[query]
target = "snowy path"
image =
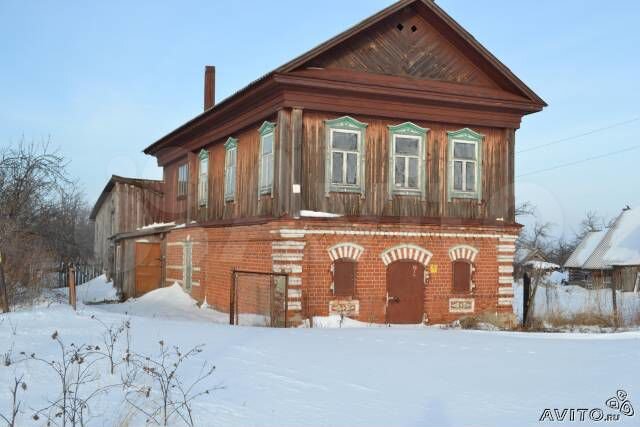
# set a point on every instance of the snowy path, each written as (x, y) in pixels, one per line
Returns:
(360, 377)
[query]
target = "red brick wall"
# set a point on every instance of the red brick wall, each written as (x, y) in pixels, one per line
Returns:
(371, 282)
(216, 251)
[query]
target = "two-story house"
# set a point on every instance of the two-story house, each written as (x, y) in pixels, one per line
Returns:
(377, 169)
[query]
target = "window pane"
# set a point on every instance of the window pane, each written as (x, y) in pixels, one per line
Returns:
(457, 176)
(264, 171)
(267, 144)
(352, 168)
(413, 173)
(400, 172)
(270, 170)
(407, 146)
(336, 168)
(346, 141)
(464, 151)
(471, 176)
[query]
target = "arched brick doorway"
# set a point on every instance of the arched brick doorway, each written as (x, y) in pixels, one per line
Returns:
(405, 283)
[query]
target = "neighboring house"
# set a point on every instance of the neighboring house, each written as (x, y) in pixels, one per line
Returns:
(124, 206)
(612, 257)
(575, 263)
(377, 170)
(527, 259)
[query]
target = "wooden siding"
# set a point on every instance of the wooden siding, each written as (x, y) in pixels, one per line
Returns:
(175, 207)
(497, 175)
(247, 203)
(386, 49)
(301, 135)
(127, 207)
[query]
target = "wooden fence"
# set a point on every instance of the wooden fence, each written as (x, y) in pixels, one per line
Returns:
(84, 273)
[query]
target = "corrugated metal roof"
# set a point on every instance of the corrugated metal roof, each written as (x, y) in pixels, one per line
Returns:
(585, 249)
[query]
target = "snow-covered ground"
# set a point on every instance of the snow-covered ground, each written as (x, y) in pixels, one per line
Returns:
(555, 299)
(337, 377)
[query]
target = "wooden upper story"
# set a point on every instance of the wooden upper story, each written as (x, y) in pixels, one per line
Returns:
(404, 115)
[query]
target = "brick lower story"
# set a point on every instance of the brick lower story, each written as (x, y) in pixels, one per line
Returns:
(305, 249)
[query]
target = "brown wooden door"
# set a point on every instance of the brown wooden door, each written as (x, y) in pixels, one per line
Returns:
(148, 267)
(405, 288)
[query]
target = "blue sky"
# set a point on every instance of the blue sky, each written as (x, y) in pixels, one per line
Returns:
(105, 79)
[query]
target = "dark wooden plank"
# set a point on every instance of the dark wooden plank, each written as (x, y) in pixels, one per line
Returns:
(296, 161)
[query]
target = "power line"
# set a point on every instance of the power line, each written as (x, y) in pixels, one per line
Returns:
(577, 162)
(571, 138)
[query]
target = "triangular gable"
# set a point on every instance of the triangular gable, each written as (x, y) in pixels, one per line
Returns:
(413, 38)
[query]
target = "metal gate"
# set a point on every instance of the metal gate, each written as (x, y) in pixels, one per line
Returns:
(258, 299)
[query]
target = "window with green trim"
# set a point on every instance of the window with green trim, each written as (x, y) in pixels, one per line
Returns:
(203, 179)
(231, 158)
(345, 155)
(407, 162)
(183, 180)
(465, 164)
(266, 158)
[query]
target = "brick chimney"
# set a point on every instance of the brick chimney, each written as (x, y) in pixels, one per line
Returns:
(209, 86)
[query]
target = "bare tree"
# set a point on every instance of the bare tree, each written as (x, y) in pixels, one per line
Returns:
(43, 217)
(525, 209)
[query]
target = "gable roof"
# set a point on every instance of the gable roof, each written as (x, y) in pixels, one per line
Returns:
(149, 184)
(625, 240)
(617, 246)
(585, 249)
(439, 13)
(464, 38)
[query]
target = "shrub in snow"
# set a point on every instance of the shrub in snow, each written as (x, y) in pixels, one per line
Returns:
(164, 395)
(110, 338)
(76, 372)
(17, 386)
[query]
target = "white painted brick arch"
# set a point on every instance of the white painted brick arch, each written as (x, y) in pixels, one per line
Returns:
(406, 252)
(464, 252)
(345, 250)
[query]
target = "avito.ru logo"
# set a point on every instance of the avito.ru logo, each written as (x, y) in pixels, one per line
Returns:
(619, 403)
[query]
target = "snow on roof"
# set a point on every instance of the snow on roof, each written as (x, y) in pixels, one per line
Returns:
(621, 244)
(542, 265)
(625, 240)
(584, 250)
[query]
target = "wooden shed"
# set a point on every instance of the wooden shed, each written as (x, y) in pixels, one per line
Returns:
(125, 205)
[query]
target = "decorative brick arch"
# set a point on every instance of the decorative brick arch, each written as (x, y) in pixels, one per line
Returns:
(345, 250)
(463, 252)
(406, 252)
